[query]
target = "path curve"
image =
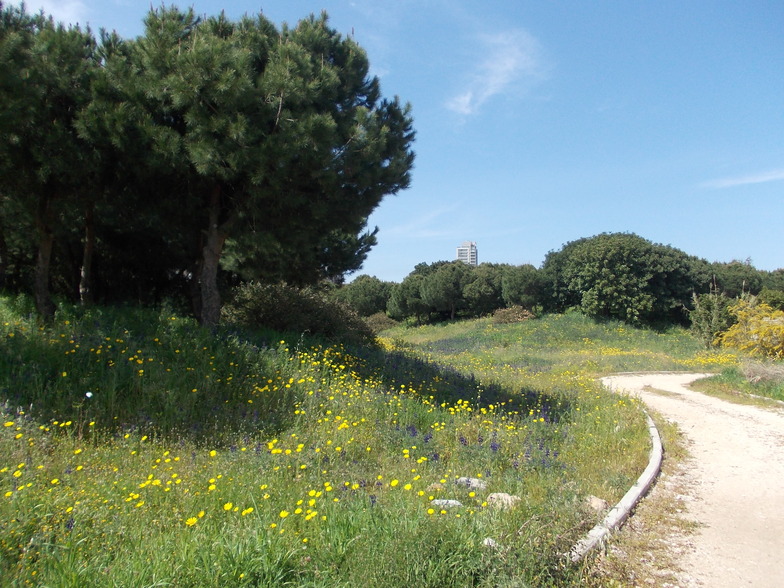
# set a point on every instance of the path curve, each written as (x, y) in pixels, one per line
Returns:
(736, 476)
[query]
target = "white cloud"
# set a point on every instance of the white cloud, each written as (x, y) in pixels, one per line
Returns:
(759, 178)
(65, 11)
(426, 225)
(511, 56)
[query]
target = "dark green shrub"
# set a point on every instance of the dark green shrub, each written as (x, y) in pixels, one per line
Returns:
(737, 278)
(284, 308)
(380, 322)
(513, 314)
(367, 295)
(773, 298)
(625, 277)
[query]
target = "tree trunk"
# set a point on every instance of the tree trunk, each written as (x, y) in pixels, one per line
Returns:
(3, 257)
(211, 254)
(194, 287)
(86, 272)
(43, 301)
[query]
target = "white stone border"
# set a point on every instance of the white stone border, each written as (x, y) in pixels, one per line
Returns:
(620, 512)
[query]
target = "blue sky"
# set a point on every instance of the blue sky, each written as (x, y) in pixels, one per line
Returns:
(539, 123)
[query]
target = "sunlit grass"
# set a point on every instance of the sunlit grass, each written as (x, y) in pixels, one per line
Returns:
(753, 382)
(134, 446)
(571, 340)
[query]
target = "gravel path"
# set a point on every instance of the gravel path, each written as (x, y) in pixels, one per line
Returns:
(736, 481)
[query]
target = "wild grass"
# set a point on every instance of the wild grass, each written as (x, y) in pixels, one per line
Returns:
(138, 449)
(559, 358)
(640, 555)
(751, 381)
(570, 340)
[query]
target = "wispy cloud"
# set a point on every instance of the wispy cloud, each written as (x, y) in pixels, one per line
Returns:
(425, 226)
(759, 178)
(65, 11)
(511, 56)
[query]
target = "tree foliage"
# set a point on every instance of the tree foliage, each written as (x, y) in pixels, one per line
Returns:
(612, 275)
(443, 290)
(45, 84)
(281, 137)
(367, 295)
(623, 276)
(482, 290)
(522, 286)
(406, 299)
(773, 280)
(446, 290)
(209, 145)
(737, 278)
(773, 298)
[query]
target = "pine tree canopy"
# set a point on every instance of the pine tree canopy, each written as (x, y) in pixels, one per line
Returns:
(216, 148)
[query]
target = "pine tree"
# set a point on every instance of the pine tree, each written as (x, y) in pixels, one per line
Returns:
(49, 78)
(280, 137)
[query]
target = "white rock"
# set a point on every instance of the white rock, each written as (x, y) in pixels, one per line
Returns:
(502, 500)
(597, 503)
(443, 502)
(473, 483)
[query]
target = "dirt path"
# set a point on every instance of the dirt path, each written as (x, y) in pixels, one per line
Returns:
(735, 478)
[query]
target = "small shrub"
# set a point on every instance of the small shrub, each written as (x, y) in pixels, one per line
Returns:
(513, 314)
(763, 371)
(284, 308)
(710, 316)
(379, 322)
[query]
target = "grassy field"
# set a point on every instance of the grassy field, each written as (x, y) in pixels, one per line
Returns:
(137, 449)
(566, 342)
(751, 381)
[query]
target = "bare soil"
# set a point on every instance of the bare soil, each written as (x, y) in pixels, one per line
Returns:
(730, 491)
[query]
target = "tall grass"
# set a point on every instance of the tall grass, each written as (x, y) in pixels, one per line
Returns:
(137, 449)
(753, 376)
(143, 369)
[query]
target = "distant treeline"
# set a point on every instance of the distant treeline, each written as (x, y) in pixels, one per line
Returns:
(612, 275)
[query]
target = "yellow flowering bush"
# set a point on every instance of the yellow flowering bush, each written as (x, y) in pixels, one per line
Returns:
(759, 329)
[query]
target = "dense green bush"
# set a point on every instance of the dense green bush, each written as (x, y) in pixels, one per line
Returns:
(514, 314)
(623, 276)
(380, 322)
(737, 278)
(773, 298)
(284, 308)
(367, 295)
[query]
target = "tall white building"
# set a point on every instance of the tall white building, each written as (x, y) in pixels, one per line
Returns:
(467, 253)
